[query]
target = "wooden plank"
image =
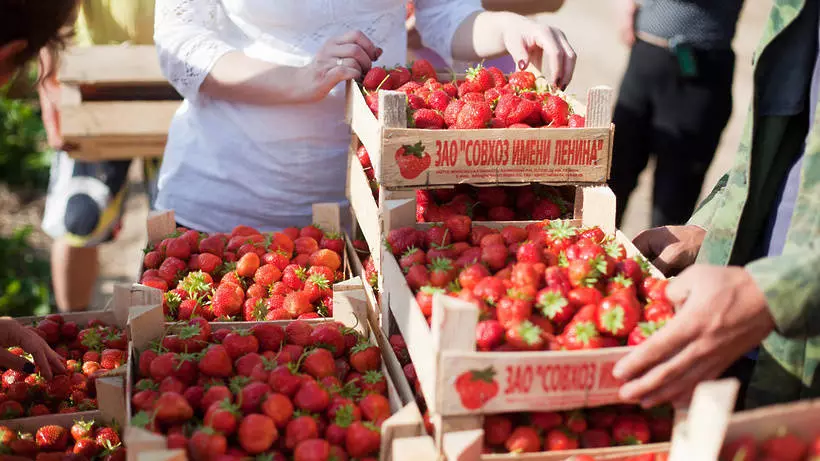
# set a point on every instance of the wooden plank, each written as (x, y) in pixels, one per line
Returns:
(701, 437)
(599, 107)
(597, 207)
(112, 65)
(328, 216)
(405, 423)
(117, 130)
(419, 448)
(364, 124)
(800, 418)
(611, 453)
(363, 205)
(453, 330)
(463, 445)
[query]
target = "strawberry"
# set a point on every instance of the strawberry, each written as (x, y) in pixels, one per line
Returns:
(554, 306)
(325, 257)
(330, 338)
(630, 429)
(375, 408)
(294, 276)
(298, 333)
(497, 429)
(452, 111)
(374, 382)
(172, 407)
(87, 448)
(494, 256)
(525, 336)
(299, 429)
(81, 429)
(376, 78)
(51, 438)
(250, 395)
(152, 260)
(514, 308)
(469, 87)
(363, 439)
(107, 437)
(743, 448)
(215, 394)
(412, 160)
(227, 300)
(523, 439)
(459, 228)
(658, 311)
(481, 76)
(576, 121)
(279, 408)
(216, 362)
(617, 317)
(178, 248)
(312, 450)
(298, 303)
(522, 80)
(555, 111)
(424, 298)
(319, 363)
(473, 116)
(785, 447)
(284, 379)
(205, 444)
(365, 357)
(239, 343)
(641, 332)
(489, 335)
(560, 439)
(311, 397)
(317, 286)
(112, 358)
(595, 438)
(582, 335)
(499, 79)
(422, 70)
(413, 256)
(427, 119)
(442, 272)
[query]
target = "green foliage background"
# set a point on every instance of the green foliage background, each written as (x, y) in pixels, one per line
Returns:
(25, 279)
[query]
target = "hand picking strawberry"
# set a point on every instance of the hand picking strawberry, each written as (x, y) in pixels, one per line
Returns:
(14, 334)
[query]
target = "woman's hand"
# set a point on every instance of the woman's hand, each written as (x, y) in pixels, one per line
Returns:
(543, 46)
(13, 333)
(341, 58)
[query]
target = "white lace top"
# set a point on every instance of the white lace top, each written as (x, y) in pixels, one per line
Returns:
(228, 163)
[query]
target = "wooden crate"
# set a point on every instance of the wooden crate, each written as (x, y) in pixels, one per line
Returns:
(162, 223)
(147, 325)
(489, 156)
(533, 381)
(115, 103)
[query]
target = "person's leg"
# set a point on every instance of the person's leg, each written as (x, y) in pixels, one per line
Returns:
(688, 134)
(632, 118)
(83, 209)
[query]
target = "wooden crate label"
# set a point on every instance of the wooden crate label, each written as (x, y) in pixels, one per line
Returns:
(533, 381)
(412, 158)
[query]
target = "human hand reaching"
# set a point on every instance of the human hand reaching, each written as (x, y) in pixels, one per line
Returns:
(342, 58)
(12, 333)
(543, 46)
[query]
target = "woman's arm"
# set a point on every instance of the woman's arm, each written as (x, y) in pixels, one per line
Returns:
(195, 59)
(523, 7)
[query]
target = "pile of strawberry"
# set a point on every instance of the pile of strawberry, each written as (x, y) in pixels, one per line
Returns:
(643, 457)
(782, 446)
(485, 98)
(570, 430)
(84, 441)
(302, 392)
(546, 286)
(89, 353)
(246, 275)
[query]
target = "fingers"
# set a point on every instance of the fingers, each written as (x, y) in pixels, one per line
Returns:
(568, 67)
(677, 333)
(680, 287)
(644, 241)
(353, 56)
(337, 75)
(518, 50)
(11, 361)
(553, 55)
(49, 361)
(358, 38)
(664, 379)
(680, 391)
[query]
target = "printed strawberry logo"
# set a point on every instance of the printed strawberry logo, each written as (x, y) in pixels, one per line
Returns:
(412, 160)
(476, 387)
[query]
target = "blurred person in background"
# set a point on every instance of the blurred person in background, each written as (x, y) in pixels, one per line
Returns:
(86, 200)
(749, 254)
(417, 50)
(675, 99)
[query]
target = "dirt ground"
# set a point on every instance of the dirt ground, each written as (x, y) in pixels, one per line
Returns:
(591, 28)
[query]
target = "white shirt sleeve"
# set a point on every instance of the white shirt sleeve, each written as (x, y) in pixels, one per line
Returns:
(438, 20)
(187, 38)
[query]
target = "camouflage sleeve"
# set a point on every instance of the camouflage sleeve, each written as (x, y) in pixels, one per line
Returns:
(791, 285)
(706, 210)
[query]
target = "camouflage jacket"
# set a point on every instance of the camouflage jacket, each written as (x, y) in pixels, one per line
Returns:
(736, 211)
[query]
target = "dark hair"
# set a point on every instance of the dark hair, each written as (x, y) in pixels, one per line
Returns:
(41, 23)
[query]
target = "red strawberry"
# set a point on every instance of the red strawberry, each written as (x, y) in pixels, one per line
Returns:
(216, 362)
(298, 333)
(514, 308)
(428, 119)
(375, 408)
(523, 439)
(279, 408)
(785, 447)
(227, 300)
(497, 429)
(299, 429)
(172, 407)
(51, 438)
(319, 363)
(363, 439)
(576, 121)
(215, 394)
(283, 379)
(522, 80)
(555, 111)
(311, 397)
(481, 77)
(743, 448)
(560, 439)
(452, 111)
(365, 357)
(422, 70)
(112, 358)
(328, 337)
(473, 116)
(617, 316)
(107, 437)
(424, 298)
(205, 444)
(595, 438)
(630, 429)
(376, 77)
(489, 335)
